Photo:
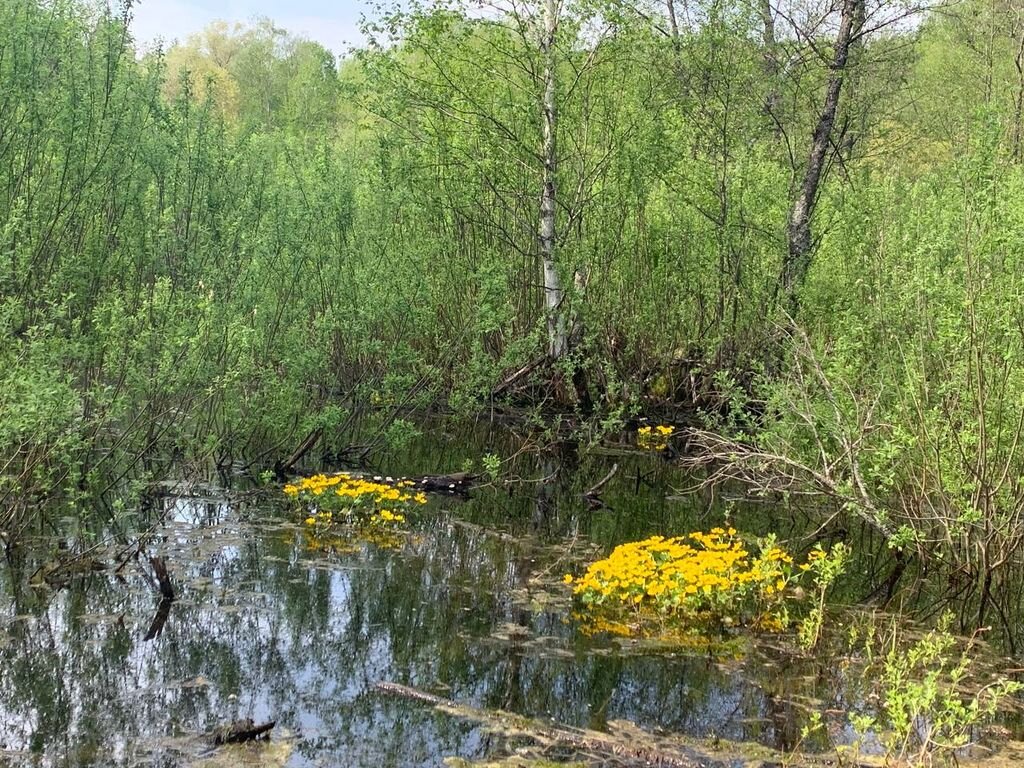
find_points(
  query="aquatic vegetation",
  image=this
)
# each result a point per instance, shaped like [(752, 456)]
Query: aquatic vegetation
[(928, 708), (923, 697), (654, 438), (697, 579), (343, 498), (824, 568)]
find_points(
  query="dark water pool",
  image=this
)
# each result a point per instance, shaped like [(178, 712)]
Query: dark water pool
[(273, 624)]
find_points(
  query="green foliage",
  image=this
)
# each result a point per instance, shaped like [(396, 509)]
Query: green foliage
[(824, 568), (903, 400), (928, 710), (492, 466)]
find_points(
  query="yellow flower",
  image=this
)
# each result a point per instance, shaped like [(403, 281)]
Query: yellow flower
[(696, 575), (310, 521)]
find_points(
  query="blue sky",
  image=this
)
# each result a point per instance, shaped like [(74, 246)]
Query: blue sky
[(334, 24)]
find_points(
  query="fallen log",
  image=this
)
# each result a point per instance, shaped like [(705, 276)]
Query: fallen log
[(241, 731), (592, 496), (282, 467), (455, 483), (558, 735)]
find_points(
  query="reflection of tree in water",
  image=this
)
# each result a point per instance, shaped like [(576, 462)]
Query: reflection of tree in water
[(268, 629)]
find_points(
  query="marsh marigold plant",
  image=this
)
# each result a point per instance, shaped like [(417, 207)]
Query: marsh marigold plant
[(327, 500), (697, 577), (654, 438)]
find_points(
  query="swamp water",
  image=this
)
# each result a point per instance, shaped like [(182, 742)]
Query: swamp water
[(272, 623)]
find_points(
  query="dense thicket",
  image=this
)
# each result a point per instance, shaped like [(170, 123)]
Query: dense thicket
[(808, 213)]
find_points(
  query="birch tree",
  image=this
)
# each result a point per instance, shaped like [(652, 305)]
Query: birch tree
[(831, 139), (553, 294), (493, 75)]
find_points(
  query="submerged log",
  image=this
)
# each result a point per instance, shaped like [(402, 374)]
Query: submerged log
[(241, 731), (645, 751), (408, 692), (162, 577), (455, 483)]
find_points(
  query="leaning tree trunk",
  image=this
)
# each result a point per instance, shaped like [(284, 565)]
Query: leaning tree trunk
[(553, 295), (1018, 101), (798, 258), (855, 126), (770, 63), (673, 24)]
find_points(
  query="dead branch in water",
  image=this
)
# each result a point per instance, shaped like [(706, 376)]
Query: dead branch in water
[(592, 496), (303, 448), (162, 577), (640, 747), (831, 469), (725, 461)]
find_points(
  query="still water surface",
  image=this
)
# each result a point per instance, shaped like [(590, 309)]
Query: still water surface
[(275, 625)]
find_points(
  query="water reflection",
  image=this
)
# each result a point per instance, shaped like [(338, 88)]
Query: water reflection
[(266, 627)]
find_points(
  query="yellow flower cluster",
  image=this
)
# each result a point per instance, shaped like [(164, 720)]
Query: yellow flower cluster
[(813, 557), (654, 439), (702, 573), (346, 486), (379, 501)]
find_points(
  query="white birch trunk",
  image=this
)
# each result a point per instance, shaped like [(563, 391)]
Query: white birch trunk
[(553, 295)]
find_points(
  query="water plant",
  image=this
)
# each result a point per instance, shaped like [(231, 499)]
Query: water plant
[(343, 498), (924, 696), (928, 709), (824, 567), (699, 579), (654, 438)]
